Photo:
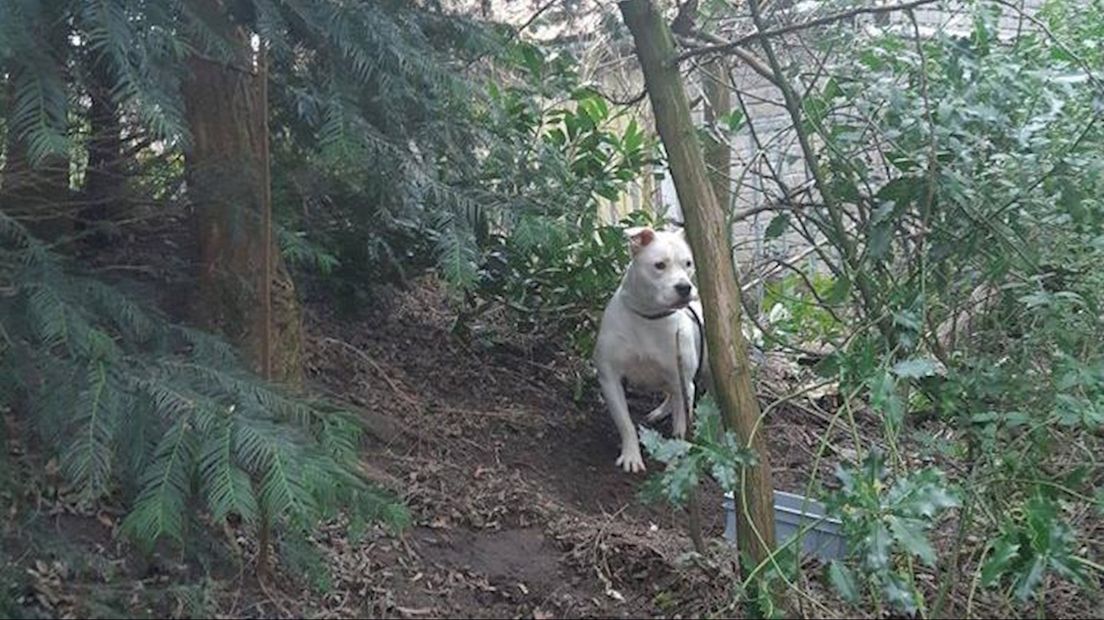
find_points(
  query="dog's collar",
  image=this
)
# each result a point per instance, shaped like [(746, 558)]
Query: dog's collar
[(653, 317)]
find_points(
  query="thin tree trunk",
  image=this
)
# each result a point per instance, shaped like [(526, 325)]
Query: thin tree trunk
[(245, 291), (720, 292), (718, 151)]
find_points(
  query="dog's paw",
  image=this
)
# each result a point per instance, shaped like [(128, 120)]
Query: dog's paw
[(630, 461)]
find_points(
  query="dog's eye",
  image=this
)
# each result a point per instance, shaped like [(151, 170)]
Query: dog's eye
[(661, 265), (688, 263)]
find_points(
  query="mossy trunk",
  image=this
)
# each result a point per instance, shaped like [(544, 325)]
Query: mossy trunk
[(244, 290), (720, 290), (103, 199)]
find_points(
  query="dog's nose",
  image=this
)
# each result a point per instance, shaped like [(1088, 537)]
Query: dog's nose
[(683, 289)]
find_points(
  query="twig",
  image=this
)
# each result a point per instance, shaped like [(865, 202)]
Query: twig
[(724, 48), (845, 244), (635, 99), (407, 398), (1054, 38), (272, 598), (604, 578), (534, 17), (751, 60)]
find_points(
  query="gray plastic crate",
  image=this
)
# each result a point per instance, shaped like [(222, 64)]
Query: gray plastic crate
[(791, 513)]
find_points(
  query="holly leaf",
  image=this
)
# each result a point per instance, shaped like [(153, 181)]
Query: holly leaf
[(1029, 581), (877, 557), (915, 368), (910, 534), (843, 581), (900, 595), (662, 449), (1004, 551)]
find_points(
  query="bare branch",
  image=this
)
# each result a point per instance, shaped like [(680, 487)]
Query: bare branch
[(751, 60), (535, 16), (729, 47)]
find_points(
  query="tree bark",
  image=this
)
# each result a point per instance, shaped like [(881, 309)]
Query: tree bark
[(37, 193), (718, 152), (244, 290), (720, 292), (102, 198)]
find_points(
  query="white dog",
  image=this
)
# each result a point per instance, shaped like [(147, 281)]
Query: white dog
[(653, 321)]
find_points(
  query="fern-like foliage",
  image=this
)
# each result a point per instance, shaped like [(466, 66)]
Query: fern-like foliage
[(387, 104), (163, 413)]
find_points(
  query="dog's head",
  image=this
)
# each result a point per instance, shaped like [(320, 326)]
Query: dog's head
[(662, 269)]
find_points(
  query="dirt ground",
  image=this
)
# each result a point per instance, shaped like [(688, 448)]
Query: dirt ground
[(507, 469), (506, 462), (519, 510)]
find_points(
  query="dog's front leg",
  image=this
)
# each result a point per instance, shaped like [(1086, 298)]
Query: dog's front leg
[(612, 390)]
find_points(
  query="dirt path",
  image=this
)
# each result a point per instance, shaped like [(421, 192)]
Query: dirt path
[(519, 510)]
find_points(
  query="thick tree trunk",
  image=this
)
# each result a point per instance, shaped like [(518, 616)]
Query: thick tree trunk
[(103, 198), (37, 193), (720, 291), (244, 291)]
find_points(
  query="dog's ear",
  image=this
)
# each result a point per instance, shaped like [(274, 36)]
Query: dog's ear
[(639, 237)]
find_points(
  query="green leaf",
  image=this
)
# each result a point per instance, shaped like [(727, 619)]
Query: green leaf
[(877, 547), (725, 474), (900, 595), (901, 191), (228, 487), (878, 241), (915, 368), (816, 108), (910, 534), (884, 397), (159, 509), (1030, 579), (1005, 550), (708, 428), (838, 293), (661, 448), (680, 479), (930, 498), (734, 120), (777, 226), (843, 581)]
